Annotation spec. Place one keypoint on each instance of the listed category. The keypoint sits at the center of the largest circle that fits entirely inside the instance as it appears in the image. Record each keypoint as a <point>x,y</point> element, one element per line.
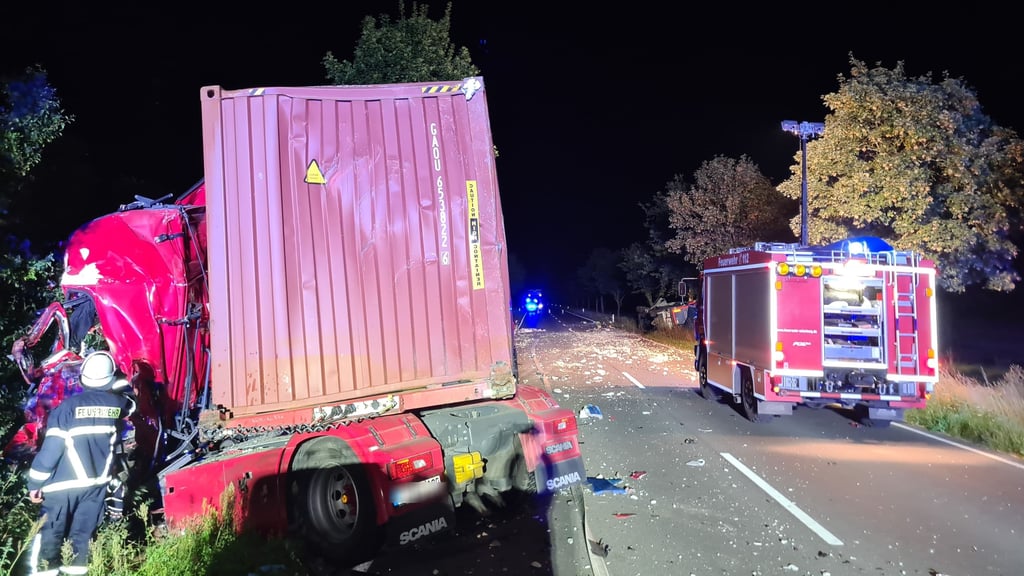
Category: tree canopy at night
<point>917,163</point>
<point>730,204</point>
<point>413,48</point>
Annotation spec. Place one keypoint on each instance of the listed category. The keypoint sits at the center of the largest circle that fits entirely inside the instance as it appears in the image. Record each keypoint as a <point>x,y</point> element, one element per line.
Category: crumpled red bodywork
<point>139,273</point>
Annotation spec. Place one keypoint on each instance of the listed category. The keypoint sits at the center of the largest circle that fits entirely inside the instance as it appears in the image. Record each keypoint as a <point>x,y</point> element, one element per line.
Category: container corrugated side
<point>356,242</point>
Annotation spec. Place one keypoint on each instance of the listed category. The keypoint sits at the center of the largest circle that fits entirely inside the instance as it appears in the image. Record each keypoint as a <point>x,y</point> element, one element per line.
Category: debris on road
<point>624,514</point>
<point>696,463</point>
<point>638,474</point>
<point>591,411</point>
<point>600,548</point>
<point>606,485</point>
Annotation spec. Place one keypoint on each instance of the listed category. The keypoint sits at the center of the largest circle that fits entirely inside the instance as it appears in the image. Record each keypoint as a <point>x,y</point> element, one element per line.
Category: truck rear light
<point>778,355</point>
<point>932,362</point>
<point>408,466</point>
<point>560,426</point>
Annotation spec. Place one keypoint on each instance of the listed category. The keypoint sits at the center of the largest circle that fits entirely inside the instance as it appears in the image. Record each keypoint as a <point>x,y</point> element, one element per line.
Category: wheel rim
<point>334,504</point>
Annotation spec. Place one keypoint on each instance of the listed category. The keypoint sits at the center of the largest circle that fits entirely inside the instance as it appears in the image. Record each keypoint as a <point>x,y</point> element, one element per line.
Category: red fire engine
<point>851,323</point>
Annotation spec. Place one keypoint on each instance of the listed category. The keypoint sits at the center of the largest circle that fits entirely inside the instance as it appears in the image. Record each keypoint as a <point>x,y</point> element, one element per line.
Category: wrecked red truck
<point>323,322</point>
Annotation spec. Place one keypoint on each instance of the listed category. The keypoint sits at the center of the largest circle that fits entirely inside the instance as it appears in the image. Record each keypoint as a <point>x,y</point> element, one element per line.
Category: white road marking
<point>802,516</point>
<point>959,445</point>
<point>633,380</point>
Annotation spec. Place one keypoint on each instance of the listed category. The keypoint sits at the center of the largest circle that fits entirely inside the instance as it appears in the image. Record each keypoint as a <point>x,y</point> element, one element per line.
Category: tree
<point>918,164</point>
<point>413,48</point>
<point>730,204</point>
<point>602,276</point>
<point>642,272</point>
<point>31,117</point>
<point>651,270</point>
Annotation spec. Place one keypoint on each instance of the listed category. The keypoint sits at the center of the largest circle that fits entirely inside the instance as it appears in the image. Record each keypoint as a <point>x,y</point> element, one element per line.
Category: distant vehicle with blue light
<point>533,302</point>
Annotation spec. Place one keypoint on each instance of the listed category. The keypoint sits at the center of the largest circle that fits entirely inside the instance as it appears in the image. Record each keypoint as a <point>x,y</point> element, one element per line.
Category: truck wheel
<point>706,389</point>
<point>334,511</point>
<point>522,479</point>
<point>749,403</point>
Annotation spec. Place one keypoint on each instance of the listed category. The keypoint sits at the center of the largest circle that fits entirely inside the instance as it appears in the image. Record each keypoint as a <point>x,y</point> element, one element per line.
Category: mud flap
<point>558,476</point>
<point>422,522</point>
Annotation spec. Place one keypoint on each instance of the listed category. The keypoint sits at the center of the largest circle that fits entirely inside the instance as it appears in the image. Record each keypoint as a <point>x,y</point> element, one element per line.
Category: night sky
<point>594,107</point>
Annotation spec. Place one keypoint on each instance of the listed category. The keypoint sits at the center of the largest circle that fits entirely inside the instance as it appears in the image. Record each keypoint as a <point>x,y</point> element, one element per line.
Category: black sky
<point>594,107</point>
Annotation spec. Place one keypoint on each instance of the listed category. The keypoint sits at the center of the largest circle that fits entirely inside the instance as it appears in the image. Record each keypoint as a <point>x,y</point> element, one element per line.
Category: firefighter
<point>70,474</point>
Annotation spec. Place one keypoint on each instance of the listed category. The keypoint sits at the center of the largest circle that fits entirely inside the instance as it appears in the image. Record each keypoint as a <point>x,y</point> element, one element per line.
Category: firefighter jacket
<point>78,448</point>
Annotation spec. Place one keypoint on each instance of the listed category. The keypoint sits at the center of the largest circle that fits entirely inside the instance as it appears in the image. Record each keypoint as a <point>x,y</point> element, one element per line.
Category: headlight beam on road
<point>786,503</point>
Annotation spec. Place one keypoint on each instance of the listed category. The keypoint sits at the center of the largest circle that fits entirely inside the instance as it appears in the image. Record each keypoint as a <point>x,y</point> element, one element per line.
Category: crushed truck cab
<point>852,323</point>
<point>321,324</point>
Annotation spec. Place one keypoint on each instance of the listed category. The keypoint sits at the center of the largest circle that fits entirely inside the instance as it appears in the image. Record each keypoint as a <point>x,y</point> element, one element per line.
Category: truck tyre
<point>747,400</point>
<point>522,479</point>
<point>706,389</point>
<point>333,509</point>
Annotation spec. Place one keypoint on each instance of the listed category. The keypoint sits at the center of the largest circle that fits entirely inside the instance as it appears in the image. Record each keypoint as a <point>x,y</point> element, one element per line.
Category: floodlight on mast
<point>804,131</point>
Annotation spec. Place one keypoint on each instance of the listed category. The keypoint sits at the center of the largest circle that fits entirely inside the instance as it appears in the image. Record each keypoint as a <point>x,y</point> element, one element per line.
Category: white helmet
<point>98,371</point>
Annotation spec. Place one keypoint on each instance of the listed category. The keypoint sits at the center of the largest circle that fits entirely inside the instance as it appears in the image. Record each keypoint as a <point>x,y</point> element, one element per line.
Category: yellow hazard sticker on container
<point>313,174</point>
<point>476,258</point>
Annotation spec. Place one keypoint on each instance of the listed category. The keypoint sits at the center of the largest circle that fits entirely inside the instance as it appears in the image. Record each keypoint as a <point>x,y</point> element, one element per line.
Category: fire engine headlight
<point>782,268</point>
<point>816,271</point>
<point>801,270</point>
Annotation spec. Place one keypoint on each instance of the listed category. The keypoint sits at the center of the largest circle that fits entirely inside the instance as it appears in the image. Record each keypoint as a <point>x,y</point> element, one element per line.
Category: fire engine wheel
<point>706,389</point>
<point>748,401</point>
<point>333,510</point>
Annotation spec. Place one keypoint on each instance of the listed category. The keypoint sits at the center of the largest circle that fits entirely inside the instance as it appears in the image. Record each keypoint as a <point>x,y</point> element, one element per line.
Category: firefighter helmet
<point>98,371</point>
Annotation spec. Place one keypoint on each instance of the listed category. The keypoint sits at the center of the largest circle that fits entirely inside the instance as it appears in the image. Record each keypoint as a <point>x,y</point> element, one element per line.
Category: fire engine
<point>851,323</point>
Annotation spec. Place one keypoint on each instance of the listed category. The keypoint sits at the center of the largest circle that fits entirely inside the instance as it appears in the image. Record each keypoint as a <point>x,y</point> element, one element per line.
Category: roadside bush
<point>27,284</point>
<point>210,545</point>
<point>18,524</point>
<point>990,415</point>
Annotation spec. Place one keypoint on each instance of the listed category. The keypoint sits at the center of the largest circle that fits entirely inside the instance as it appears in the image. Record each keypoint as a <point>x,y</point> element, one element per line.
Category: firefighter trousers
<point>72,515</point>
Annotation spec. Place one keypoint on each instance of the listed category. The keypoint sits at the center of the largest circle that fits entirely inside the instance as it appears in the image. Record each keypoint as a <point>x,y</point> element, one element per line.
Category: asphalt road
<point>684,485</point>
<point>704,491</point>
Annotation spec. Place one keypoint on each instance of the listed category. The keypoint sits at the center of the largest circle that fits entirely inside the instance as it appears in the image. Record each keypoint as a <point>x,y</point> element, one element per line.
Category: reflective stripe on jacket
<point>78,449</point>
